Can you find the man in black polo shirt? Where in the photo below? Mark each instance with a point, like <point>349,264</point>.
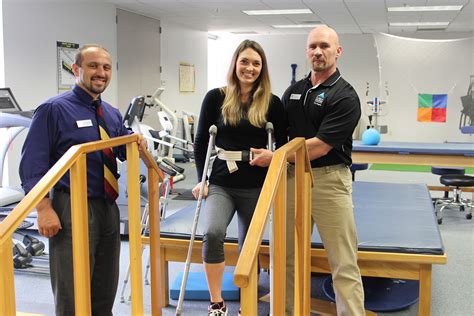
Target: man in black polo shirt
<point>325,109</point>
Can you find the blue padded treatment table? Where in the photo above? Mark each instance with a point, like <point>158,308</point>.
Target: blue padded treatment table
<point>397,230</point>
<point>384,220</point>
<point>428,154</point>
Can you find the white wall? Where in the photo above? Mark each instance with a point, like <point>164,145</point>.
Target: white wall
<point>4,181</point>
<point>414,66</point>
<point>30,31</point>
<point>2,64</point>
<point>284,50</point>
<point>181,44</point>
<point>396,60</point>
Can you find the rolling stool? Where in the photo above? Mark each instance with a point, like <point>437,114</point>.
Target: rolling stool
<point>441,171</point>
<point>457,181</point>
<point>358,166</point>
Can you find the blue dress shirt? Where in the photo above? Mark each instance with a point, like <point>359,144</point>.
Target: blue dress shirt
<point>61,122</point>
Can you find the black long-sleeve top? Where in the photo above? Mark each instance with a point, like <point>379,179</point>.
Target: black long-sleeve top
<point>235,138</point>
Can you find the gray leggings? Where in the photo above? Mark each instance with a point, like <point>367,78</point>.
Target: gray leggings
<point>221,204</point>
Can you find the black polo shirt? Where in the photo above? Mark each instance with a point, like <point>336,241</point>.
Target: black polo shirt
<point>329,111</point>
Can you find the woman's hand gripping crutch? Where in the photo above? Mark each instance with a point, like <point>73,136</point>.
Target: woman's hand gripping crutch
<point>212,136</point>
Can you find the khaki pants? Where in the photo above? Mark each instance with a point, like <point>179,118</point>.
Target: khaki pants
<point>332,212</point>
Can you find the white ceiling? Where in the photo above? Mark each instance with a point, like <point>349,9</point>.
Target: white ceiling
<point>346,16</point>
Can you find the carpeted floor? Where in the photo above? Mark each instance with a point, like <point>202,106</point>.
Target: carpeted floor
<point>452,284</point>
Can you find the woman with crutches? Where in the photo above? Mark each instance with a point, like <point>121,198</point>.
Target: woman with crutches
<point>240,111</point>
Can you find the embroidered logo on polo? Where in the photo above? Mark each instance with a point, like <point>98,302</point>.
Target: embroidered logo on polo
<point>319,99</point>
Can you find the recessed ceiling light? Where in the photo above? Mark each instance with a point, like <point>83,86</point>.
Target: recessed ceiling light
<point>419,24</point>
<point>295,26</point>
<point>278,12</point>
<point>243,32</point>
<point>426,8</point>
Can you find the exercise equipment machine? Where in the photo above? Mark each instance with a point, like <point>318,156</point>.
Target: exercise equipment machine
<point>170,170</point>
<point>133,118</point>
<point>14,120</point>
<point>170,123</point>
<point>376,108</point>
<point>466,120</point>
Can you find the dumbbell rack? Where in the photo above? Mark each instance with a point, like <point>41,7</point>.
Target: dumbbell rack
<point>39,265</point>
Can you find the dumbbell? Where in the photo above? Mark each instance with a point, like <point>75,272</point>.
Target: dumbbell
<point>21,257</point>
<point>34,246</point>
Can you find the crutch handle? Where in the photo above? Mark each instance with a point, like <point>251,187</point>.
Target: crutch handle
<point>213,130</point>
<point>269,130</point>
<point>269,127</point>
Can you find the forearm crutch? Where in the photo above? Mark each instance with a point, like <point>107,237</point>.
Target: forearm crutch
<point>269,129</point>
<point>212,136</point>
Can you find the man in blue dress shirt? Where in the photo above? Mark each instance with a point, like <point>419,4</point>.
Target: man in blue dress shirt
<point>59,123</point>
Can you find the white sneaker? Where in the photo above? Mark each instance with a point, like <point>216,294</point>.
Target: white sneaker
<point>217,310</point>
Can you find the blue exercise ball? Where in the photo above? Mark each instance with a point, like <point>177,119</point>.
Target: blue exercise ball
<point>371,137</point>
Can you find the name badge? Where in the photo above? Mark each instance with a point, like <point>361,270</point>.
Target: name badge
<point>295,96</point>
<point>84,123</point>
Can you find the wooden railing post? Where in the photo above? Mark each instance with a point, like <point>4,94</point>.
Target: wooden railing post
<point>7,285</point>
<point>307,243</point>
<point>155,251</point>
<point>80,236</point>
<point>249,294</point>
<point>278,290</point>
<point>299,222</point>
<point>134,228</point>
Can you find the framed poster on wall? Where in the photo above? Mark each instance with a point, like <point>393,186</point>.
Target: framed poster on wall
<point>186,77</point>
<point>66,53</point>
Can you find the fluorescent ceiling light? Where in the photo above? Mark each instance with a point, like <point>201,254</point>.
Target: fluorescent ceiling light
<point>243,32</point>
<point>295,26</point>
<point>426,8</point>
<point>278,12</point>
<point>419,24</point>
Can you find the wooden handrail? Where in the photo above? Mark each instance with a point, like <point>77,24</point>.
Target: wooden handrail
<point>74,160</point>
<point>19,213</point>
<point>262,209</point>
<point>275,184</point>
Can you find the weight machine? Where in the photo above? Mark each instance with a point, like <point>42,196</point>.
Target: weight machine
<point>466,120</point>
<point>376,108</point>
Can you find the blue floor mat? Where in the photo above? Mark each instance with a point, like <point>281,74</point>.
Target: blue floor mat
<point>196,287</point>
<point>382,294</point>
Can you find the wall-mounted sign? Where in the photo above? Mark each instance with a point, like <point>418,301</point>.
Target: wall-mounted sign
<point>186,77</point>
<point>66,53</point>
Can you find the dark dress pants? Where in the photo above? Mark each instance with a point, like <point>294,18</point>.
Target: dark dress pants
<point>104,251</point>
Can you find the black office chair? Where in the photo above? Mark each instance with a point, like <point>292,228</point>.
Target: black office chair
<point>358,166</point>
<point>458,182</point>
<point>442,171</point>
